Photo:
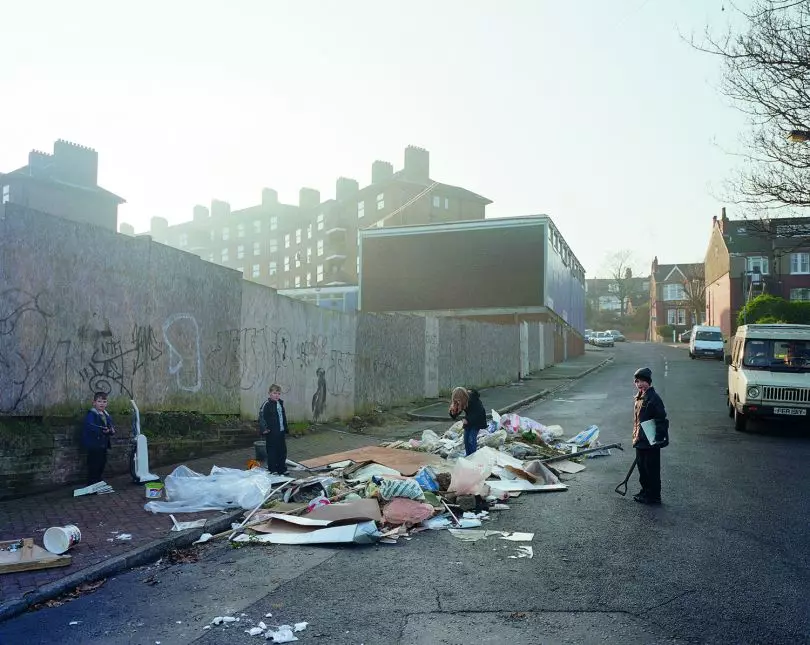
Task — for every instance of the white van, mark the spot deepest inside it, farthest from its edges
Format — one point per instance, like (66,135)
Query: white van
(769,373)
(706,341)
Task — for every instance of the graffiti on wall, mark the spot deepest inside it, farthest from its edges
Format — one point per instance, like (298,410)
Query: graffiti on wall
(181,334)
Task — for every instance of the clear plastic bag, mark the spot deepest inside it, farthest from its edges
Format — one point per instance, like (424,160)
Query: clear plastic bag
(468,475)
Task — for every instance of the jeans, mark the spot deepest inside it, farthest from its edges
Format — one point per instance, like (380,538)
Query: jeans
(470,440)
(649,471)
(96,460)
(276,444)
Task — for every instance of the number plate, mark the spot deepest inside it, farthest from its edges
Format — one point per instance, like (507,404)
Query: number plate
(793,412)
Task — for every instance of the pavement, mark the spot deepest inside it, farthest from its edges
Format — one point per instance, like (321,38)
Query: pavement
(101,518)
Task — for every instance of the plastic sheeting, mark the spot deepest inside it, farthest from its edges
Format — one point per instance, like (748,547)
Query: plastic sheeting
(190,492)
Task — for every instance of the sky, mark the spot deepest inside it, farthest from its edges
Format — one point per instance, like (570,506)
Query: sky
(597,113)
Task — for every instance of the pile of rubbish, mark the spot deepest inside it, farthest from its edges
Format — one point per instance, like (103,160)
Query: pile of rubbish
(393,491)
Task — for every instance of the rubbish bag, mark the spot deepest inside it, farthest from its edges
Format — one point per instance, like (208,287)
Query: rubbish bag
(493,440)
(410,488)
(427,479)
(406,511)
(468,476)
(586,437)
(430,441)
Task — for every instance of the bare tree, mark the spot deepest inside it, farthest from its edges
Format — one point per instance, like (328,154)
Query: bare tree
(767,76)
(694,289)
(620,273)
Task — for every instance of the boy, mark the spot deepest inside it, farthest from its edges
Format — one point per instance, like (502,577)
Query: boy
(273,425)
(98,429)
(648,406)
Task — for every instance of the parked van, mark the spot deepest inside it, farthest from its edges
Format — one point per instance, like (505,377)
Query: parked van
(769,373)
(706,341)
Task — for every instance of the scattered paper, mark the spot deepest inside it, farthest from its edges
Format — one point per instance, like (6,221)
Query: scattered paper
(183,526)
(203,538)
(299,627)
(284,634)
(254,631)
(123,536)
(268,615)
(74,622)
(523,552)
(517,537)
(467,535)
(219,620)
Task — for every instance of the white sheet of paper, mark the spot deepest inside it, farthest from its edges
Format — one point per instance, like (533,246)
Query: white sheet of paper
(649,430)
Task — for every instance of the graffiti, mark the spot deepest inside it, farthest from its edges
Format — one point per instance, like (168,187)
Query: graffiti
(224,361)
(282,362)
(28,350)
(311,350)
(181,333)
(319,398)
(339,375)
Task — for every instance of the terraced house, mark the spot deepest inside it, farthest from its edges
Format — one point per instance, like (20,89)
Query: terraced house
(676,298)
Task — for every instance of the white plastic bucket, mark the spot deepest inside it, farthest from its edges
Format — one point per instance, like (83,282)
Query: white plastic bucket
(58,539)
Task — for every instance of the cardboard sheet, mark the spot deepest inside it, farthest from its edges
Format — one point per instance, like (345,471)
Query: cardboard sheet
(565,466)
(298,533)
(521,485)
(408,462)
(361,510)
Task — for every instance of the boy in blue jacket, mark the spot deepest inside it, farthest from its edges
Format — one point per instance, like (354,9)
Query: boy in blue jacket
(98,429)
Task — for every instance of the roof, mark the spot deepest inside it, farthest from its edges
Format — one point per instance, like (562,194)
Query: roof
(25,173)
(775,331)
(446,189)
(664,271)
(751,236)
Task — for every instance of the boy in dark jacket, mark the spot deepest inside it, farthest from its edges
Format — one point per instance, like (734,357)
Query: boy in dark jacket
(649,407)
(96,434)
(273,426)
(475,416)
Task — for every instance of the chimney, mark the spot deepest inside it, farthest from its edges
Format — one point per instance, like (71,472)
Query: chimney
(39,163)
(309,198)
(723,220)
(158,228)
(75,164)
(381,171)
(417,164)
(346,188)
(220,209)
(269,197)
(655,264)
(126,229)
(200,213)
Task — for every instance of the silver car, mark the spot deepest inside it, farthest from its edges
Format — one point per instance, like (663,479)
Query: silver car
(603,339)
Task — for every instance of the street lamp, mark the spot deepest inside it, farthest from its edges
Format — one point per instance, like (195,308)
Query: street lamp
(799,136)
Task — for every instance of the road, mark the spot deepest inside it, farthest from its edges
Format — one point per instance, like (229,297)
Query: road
(723,560)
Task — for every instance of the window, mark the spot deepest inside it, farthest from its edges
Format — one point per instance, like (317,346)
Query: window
(286,262)
(309,279)
(240,230)
(240,251)
(757,264)
(320,248)
(674,291)
(257,248)
(309,254)
(297,281)
(255,271)
(6,194)
(380,201)
(676,316)
(226,234)
(799,263)
(320,221)
(273,223)
(800,294)
(287,241)
(298,236)
(613,287)
(224,255)
(361,209)
(183,241)
(298,259)
(272,268)
(446,204)
(257,226)
(272,245)
(309,231)
(437,201)
(319,273)
(380,224)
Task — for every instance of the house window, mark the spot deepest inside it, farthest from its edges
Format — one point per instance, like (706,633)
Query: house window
(309,231)
(320,248)
(255,271)
(320,221)
(319,273)
(257,248)
(183,242)
(309,254)
(446,204)
(224,255)
(6,194)
(297,281)
(309,279)
(240,230)
(240,251)
(380,201)
(298,236)
(272,245)
(287,241)
(273,223)
(298,259)
(673,291)
(226,234)
(800,263)
(272,268)
(676,316)
(257,226)
(800,294)
(286,262)
(437,201)
(361,209)
(757,264)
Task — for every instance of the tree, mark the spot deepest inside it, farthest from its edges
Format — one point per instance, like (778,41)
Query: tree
(694,289)
(767,76)
(620,273)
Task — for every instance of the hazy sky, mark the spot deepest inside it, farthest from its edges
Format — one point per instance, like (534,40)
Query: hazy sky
(595,112)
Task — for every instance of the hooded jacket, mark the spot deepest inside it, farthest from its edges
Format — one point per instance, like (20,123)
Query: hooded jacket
(475,413)
(648,406)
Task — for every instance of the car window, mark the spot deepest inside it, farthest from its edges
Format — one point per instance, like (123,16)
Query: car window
(708,335)
(765,353)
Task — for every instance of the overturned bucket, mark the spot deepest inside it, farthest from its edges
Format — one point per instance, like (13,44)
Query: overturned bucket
(58,539)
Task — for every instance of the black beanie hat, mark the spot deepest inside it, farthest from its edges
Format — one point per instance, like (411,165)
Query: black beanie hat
(644,374)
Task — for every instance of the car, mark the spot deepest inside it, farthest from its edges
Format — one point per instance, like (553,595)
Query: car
(603,339)
(706,341)
(617,335)
(588,335)
(686,336)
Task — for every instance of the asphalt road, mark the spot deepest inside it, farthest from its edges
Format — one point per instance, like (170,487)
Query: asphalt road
(723,560)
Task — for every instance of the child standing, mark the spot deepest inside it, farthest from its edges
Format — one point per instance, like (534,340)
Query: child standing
(648,406)
(273,426)
(475,417)
(98,429)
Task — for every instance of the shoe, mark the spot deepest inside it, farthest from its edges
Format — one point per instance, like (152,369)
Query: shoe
(640,496)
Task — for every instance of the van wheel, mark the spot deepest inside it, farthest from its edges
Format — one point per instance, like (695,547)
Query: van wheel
(740,421)
(691,355)
(730,409)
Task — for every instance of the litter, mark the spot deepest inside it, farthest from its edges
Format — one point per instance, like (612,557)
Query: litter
(284,634)
(203,538)
(123,536)
(220,620)
(99,488)
(523,552)
(406,511)
(183,526)
(287,529)
(254,631)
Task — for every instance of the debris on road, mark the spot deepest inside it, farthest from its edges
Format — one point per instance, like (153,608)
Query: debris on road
(24,555)
(99,488)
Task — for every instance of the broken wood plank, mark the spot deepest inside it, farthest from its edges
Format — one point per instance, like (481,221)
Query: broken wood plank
(29,558)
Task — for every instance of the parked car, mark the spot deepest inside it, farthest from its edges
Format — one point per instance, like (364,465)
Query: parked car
(603,339)
(617,335)
(588,335)
(706,341)
(686,336)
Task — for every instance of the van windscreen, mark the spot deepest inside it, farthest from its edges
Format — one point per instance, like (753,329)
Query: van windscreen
(708,335)
(766,353)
